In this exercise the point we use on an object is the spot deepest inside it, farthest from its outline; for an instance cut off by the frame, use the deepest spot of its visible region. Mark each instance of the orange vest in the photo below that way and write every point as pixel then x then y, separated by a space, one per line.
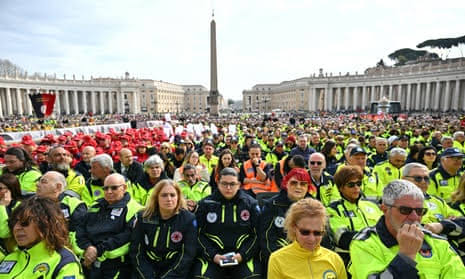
pixel 257 188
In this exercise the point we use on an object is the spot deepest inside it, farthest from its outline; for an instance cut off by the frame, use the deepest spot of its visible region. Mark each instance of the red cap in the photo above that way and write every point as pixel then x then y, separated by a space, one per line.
pixel 42 149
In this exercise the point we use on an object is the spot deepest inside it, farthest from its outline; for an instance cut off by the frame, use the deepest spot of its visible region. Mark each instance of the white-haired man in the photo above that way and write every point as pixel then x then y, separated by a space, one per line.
pixel 397 247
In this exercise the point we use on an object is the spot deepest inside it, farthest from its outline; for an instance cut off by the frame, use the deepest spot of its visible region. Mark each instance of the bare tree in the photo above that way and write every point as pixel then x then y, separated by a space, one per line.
pixel 9 68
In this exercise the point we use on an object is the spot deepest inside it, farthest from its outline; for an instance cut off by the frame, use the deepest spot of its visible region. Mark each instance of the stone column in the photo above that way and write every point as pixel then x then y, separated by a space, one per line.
pixel 67 110
pixel 9 108
pixel 314 100
pixel 93 101
pixel 110 101
pixel 417 96
pixel 409 96
pixel 364 97
pixel 28 102
pixel 436 96
pixel 134 102
pixel 84 101
pixel 346 97
pixel 1 103
pixel 118 102
pixel 428 95
pixel 372 95
pixel 338 98
pixel 57 102
pixel 102 105
pixel 446 105
pixel 355 98
pixel 19 102
pixel 122 104
pixel 75 101
pixel 391 93
pixel 456 98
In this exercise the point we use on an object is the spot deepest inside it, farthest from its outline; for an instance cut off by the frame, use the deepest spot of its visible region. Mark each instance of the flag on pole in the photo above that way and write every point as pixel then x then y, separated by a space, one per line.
pixel 43 103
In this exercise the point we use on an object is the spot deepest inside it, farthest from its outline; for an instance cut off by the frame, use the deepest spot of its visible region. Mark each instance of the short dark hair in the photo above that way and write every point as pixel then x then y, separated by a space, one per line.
pixel 229 172
pixel 347 173
pixel 22 155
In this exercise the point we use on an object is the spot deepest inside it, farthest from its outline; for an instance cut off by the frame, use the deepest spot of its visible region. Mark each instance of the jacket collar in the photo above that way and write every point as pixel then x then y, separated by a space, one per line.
pixel 385 236
pixel 121 203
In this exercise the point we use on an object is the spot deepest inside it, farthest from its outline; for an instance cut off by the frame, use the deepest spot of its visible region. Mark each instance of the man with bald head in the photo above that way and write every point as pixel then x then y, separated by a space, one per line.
pixel 128 167
pixel 106 231
pixel 327 192
pixel 52 185
pixel 83 167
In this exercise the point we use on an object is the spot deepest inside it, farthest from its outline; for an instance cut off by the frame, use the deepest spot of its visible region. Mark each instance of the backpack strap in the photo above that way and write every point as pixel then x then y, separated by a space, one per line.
pixel 66 257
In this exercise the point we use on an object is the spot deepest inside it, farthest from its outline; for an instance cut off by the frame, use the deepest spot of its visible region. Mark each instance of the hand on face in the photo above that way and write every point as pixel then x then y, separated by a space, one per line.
pixel 410 238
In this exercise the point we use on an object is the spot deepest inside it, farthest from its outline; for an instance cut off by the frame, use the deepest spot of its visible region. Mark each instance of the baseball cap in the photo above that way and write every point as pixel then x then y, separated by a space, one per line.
pixel 452 152
pixel 357 150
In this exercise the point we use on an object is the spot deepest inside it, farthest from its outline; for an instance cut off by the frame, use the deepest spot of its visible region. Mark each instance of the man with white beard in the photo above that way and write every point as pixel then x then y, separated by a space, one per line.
pixel 59 160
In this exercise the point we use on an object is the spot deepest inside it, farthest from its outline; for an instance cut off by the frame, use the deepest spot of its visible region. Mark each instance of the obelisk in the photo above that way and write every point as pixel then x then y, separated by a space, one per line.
pixel 214 94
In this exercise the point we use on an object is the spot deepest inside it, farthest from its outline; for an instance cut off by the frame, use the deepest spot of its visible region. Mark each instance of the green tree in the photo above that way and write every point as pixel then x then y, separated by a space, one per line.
pixel 444 44
pixel 401 56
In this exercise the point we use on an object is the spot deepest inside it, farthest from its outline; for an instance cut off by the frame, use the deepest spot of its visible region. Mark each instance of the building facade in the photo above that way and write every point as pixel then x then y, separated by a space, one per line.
pixel 425 86
pixel 101 95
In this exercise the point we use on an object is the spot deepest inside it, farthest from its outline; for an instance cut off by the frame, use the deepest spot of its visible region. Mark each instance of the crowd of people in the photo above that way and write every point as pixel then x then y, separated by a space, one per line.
pixel 327 196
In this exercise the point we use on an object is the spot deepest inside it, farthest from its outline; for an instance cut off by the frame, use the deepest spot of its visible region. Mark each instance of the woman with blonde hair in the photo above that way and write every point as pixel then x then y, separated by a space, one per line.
pixel 304 257
pixel 163 243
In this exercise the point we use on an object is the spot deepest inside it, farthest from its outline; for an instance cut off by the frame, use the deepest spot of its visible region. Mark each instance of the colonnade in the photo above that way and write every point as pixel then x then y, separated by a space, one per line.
pixel 440 95
pixel 16 101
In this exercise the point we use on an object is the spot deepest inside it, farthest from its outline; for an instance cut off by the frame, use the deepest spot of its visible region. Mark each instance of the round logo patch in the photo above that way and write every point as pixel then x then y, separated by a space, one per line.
pixel 245 215
pixel 431 205
pixel 176 237
pixel 329 274
pixel 279 222
pixel 426 253
pixel 41 268
pixel 211 217
pixel 97 193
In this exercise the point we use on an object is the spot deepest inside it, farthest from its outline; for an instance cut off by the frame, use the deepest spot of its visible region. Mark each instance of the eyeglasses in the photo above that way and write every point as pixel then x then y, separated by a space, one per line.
pixel 309 232
pixel 22 223
pixel 405 210
pixel 228 185
pixel 319 163
pixel 296 183
pixel 430 153
pixel 353 184
pixel 189 174
pixel 111 187
pixel 419 178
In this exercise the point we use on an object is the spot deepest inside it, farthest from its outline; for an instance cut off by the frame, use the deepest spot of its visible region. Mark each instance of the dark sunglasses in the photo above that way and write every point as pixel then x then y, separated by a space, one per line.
pixel 430 153
pixel 353 184
pixel 319 163
pixel 23 223
pixel 112 187
pixel 405 210
pixel 308 232
pixel 419 178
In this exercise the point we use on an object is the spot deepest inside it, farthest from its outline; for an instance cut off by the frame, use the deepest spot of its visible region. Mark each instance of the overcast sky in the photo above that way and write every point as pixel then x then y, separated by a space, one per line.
pixel 267 41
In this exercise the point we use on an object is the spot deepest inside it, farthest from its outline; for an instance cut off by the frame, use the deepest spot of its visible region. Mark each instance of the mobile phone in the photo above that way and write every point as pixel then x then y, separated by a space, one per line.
pixel 229 260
